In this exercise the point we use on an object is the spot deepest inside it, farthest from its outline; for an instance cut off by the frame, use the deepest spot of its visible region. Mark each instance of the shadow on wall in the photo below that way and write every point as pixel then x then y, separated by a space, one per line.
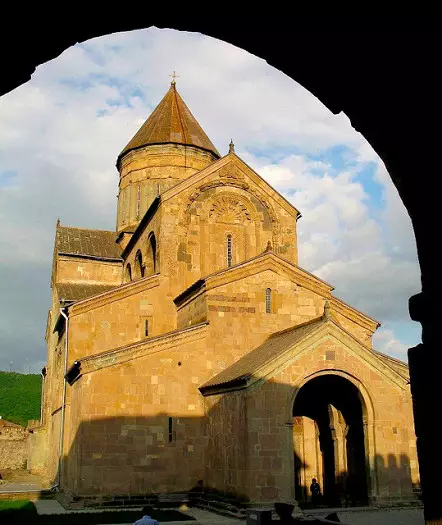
pixel 394 476
pixel 121 457
pixel 244 448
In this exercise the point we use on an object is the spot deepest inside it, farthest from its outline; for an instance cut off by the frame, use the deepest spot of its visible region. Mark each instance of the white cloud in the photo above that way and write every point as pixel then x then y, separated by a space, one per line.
pixel 372 263
pixel 386 342
pixel 62 132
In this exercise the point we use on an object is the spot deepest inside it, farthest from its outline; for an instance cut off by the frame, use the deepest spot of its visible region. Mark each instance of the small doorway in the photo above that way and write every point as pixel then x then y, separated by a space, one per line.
pixel 329 442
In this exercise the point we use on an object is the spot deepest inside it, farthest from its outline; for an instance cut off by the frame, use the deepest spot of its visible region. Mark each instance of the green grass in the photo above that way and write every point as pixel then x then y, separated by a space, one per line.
pixel 20 396
pixel 23 512
pixel 14 505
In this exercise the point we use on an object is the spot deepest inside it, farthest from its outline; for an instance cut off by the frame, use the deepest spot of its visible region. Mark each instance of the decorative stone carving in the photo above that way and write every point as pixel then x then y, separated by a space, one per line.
pixel 231 182
pixel 228 209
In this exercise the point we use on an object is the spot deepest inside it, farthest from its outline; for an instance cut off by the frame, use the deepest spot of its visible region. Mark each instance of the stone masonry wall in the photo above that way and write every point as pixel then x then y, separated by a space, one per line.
pixel 13 447
pixel 227 450
pixel 390 432
pixel 148 172
pixel 81 270
pixel 141 425
pixel 237 315
pixel 115 321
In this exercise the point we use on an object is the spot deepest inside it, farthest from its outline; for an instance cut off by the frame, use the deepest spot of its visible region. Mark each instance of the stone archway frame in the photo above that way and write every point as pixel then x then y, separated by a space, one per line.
pixel 368 421
pixel 241 185
pixel 152 258
pixel 228 197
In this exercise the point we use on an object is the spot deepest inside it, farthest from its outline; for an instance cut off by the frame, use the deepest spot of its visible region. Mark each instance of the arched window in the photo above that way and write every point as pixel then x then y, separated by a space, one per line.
pixel 139 268
pixel 151 265
pixel 153 249
pixel 128 277
pixel 229 250
pixel 268 301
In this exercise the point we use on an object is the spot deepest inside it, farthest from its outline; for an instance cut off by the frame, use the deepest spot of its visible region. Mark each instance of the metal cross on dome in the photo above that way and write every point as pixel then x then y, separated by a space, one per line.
pixel 174 76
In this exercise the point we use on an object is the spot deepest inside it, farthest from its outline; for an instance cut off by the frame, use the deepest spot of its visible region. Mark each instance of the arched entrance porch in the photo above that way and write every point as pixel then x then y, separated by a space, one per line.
pixel 330 441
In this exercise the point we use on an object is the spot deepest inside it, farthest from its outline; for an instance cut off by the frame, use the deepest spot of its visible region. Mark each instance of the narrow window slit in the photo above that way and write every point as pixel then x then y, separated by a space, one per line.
pixel 229 251
pixel 268 301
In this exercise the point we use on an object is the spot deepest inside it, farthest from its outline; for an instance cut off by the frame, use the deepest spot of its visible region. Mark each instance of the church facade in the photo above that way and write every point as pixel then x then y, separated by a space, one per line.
pixel 188 347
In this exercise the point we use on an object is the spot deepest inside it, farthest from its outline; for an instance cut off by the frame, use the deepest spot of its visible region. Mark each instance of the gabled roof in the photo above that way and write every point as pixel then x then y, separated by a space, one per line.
pixel 135 350
pixel 171 122
pixel 78 292
pixel 264 261
pixel 241 374
pixel 232 162
pixel 80 242
pixel 400 367
pixel 277 343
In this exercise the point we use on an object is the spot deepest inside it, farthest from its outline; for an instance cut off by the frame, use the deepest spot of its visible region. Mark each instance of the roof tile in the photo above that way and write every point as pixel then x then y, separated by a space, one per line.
pixel 275 345
pixel 170 122
pixel 78 292
pixel 95 243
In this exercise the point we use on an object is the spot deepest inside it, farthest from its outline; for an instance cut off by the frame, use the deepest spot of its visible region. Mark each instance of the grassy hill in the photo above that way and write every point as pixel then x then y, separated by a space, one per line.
pixel 20 396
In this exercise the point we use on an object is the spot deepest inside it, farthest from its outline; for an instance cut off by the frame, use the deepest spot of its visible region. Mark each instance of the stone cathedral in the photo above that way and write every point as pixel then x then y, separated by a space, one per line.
pixel 189 348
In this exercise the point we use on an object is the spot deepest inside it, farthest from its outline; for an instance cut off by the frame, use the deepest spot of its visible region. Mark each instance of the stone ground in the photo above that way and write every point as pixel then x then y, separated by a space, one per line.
pixel 46 507
pixel 363 516
pixel 19 480
pixel 405 516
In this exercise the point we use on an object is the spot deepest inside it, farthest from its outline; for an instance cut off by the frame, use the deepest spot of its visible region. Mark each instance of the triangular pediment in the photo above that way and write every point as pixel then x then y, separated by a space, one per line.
pixel 282 349
pixel 261 263
pixel 232 171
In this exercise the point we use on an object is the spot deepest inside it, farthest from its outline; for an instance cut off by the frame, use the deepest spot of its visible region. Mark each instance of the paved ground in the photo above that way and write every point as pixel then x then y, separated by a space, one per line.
pixel 19 480
pixel 45 507
pixel 349 517
pixel 52 506
pixel 411 516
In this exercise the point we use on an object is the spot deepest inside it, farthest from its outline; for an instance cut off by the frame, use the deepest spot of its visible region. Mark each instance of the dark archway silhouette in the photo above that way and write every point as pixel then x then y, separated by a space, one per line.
pixel 335 406
pixel 138 267
pixel 383 74
pixel 152 255
pixel 128 274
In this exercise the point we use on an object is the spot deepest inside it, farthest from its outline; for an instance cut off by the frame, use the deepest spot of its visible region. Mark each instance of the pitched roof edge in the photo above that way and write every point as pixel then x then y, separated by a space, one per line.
pixel 171 192
pixel 370 351
pixel 85 365
pixel 301 325
pixel 342 304
pixel 61 247
pixel 198 284
pixel 93 257
pixel 298 213
pixel 64 297
pixel 61 226
pixel 181 298
pixel 243 381
pixel 131 287
pixel 176 189
pixel 394 359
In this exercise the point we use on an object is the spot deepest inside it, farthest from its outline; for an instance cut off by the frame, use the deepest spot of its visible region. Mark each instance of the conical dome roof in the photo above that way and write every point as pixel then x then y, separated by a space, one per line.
pixel 171 122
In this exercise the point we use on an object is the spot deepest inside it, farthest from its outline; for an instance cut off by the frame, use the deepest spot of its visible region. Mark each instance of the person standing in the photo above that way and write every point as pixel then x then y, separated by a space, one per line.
pixel 315 489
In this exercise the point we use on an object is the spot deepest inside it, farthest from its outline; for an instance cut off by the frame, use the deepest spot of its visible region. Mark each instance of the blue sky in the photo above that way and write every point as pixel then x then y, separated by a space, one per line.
pixel 62 132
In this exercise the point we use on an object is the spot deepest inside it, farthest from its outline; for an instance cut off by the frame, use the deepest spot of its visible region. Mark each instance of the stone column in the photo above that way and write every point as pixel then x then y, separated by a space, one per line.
pixel 339 432
pixel 299 456
pixel 425 361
